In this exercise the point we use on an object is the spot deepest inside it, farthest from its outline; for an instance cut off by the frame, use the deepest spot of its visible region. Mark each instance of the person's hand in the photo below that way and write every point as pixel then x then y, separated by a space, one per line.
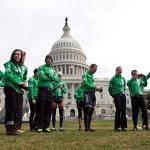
pixel 140 75
pixel 33 101
pixel 23 85
pixel 60 86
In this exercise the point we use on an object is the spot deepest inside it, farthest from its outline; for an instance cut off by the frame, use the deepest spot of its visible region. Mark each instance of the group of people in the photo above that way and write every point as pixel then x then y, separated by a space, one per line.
pixel 117 87
pixel 46 91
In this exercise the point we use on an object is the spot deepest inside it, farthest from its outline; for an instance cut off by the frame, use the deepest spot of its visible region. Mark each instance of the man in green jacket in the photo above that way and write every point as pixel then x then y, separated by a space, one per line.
pixel 78 95
pixel 46 75
pixel 116 89
pixel 32 97
pixel 89 89
pixel 59 91
pixel 136 87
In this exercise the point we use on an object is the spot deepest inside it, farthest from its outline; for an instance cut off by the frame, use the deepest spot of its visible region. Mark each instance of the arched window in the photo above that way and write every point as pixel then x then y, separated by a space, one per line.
pixel 103 111
pixel 72 113
pixel 69 96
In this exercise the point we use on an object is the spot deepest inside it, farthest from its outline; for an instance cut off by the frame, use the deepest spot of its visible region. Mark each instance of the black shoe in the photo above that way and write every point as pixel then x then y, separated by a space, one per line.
pixel 92 130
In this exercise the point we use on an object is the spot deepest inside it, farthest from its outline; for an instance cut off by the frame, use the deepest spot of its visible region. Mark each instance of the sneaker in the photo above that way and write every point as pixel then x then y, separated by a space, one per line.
pixel 116 130
pixel 134 129
pixel 46 130
pixel 123 129
pixel 61 129
pixel 21 131
pixel 145 127
pixel 80 129
pixel 53 129
pixel 39 130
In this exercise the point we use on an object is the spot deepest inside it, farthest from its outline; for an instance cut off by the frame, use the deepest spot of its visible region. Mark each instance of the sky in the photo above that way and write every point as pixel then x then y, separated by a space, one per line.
pixel 111 32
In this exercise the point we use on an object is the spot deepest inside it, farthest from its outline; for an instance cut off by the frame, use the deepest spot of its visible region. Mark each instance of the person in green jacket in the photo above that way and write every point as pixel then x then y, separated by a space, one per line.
pixel 78 95
pixel 46 75
pixel 117 86
pixel 20 111
pixel 59 91
pixel 32 97
pixel 136 87
pixel 1 79
pixel 89 89
pixel 13 78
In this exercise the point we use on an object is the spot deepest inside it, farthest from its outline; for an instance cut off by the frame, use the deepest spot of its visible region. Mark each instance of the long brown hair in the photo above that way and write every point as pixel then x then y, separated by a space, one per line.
pixel 13 53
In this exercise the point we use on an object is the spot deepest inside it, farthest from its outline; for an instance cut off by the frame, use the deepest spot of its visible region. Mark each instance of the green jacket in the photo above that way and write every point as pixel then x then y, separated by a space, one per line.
pixel 136 86
pixel 58 91
pixel 46 75
pixel 33 88
pixel 1 79
pixel 25 72
pixel 78 94
pixel 117 85
pixel 13 75
pixel 88 82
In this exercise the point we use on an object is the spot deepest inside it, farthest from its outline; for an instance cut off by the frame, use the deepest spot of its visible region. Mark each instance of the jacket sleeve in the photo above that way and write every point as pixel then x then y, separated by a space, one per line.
pixel 25 74
pixel 30 88
pixel 144 81
pixel 10 75
pixel 64 90
pixel 110 87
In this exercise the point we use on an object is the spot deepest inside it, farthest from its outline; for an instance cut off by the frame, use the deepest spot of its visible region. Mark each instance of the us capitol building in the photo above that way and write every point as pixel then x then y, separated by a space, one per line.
pixel 69 58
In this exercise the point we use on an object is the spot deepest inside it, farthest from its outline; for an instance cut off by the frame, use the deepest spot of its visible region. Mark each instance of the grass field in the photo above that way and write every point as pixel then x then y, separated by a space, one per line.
pixel 71 139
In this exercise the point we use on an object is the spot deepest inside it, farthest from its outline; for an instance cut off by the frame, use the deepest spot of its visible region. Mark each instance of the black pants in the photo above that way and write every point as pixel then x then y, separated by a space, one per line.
pixel 80 107
pixel 139 103
pixel 120 115
pixel 32 118
pixel 89 105
pixel 61 116
pixel 13 108
pixel 43 106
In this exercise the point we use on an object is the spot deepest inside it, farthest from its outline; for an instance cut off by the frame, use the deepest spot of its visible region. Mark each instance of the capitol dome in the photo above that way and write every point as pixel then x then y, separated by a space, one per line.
pixel 68 56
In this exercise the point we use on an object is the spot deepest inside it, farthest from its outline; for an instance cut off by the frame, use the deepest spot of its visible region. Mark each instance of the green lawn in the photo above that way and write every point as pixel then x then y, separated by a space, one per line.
pixel 72 139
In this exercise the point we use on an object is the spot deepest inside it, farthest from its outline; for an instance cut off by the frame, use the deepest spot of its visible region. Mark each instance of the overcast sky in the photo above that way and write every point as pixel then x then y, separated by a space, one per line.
pixel 111 32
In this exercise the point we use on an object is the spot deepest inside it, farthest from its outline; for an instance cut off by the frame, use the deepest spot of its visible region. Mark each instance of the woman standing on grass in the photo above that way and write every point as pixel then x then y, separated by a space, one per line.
pixel 43 104
pixel 59 90
pixel 116 89
pixel 136 87
pixel 13 78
